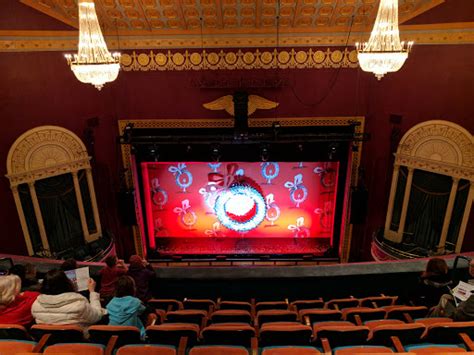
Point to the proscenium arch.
(44, 152)
(440, 147)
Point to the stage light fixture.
(127, 134)
(332, 150)
(264, 153)
(215, 153)
(154, 153)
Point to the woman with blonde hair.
(15, 307)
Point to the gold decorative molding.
(438, 146)
(226, 103)
(358, 122)
(220, 60)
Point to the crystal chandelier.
(384, 53)
(93, 64)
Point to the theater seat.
(262, 306)
(311, 316)
(448, 333)
(165, 304)
(378, 301)
(194, 316)
(59, 333)
(276, 315)
(75, 349)
(307, 304)
(406, 333)
(245, 306)
(228, 334)
(341, 303)
(362, 314)
(375, 323)
(201, 304)
(272, 334)
(364, 349)
(231, 315)
(218, 350)
(146, 350)
(340, 335)
(101, 334)
(431, 321)
(13, 331)
(406, 313)
(434, 349)
(10, 347)
(290, 350)
(171, 333)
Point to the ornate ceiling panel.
(229, 16)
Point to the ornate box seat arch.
(44, 152)
(439, 147)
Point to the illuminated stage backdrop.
(240, 207)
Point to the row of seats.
(328, 336)
(356, 315)
(252, 306)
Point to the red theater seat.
(12, 331)
(341, 303)
(194, 316)
(228, 334)
(201, 304)
(245, 306)
(378, 301)
(434, 349)
(340, 335)
(310, 316)
(406, 333)
(375, 323)
(358, 315)
(101, 334)
(449, 333)
(360, 350)
(218, 350)
(276, 315)
(276, 334)
(307, 304)
(75, 349)
(231, 315)
(406, 313)
(431, 321)
(165, 304)
(171, 333)
(146, 350)
(262, 306)
(58, 333)
(10, 347)
(290, 350)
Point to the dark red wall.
(437, 82)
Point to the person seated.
(447, 307)
(15, 306)
(125, 308)
(109, 276)
(59, 302)
(433, 283)
(143, 275)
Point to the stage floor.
(241, 246)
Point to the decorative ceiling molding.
(30, 41)
(236, 60)
(230, 15)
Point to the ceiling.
(229, 16)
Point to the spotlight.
(215, 153)
(264, 152)
(332, 150)
(127, 134)
(276, 129)
(153, 153)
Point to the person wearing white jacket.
(60, 304)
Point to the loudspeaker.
(126, 207)
(359, 199)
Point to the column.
(447, 216)
(24, 225)
(80, 206)
(406, 200)
(465, 218)
(39, 217)
(391, 201)
(95, 210)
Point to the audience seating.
(340, 335)
(290, 350)
(406, 333)
(358, 315)
(406, 313)
(200, 304)
(245, 306)
(149, 349)
(194, 316)
(435, 320)
(231, 315)
(171, 333)
(102, 334)
(310, 316)
(341, 303)
(165, 304)
(362, 349)
(228, 334)
(58, 333)
(307, 304)
(8, 347)
(449, 333)
(12, 331)
(375, 323)
(218, 350)
(263, 306)
(378, 301)
(276, 315)
(75, 349)
(273, 334)
(434, 349)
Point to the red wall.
(437, 82)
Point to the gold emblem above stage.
(226, 103)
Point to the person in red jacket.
(109, 276)
(15, 307)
